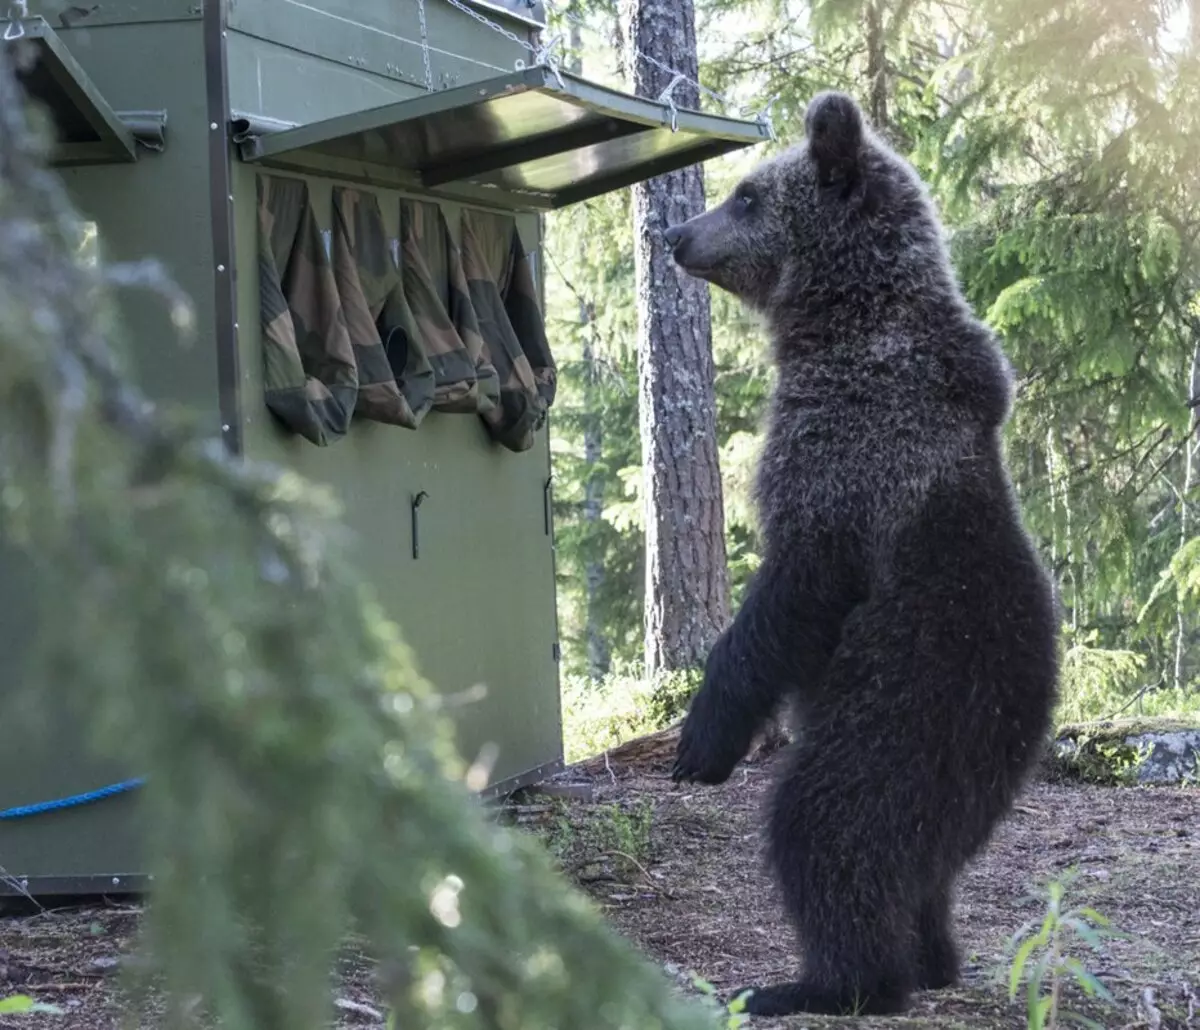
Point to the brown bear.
(901, 611)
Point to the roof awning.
(553, 139)
(88, 130)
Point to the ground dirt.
(678, 870)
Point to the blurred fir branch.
(200, 614)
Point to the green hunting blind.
(351, 192)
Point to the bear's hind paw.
(785, 999)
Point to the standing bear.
(901, 611)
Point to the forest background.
(1062, 145)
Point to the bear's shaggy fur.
(901, 610)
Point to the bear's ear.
(834, 127)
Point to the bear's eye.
(746, 199)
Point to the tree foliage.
(1061, 141)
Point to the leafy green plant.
(624, 705)
(1095, 680)
(735, 1011)
(1102, 758)
(670, 692)
(625, 830)
(22, 1004)
(614, 832)
(1043, 958)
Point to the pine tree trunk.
(599, 654)
(876, 66)
(1190, 459)
(687, 581)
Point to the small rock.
(1159, 751)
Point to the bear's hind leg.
(937, 953)
(845, 892)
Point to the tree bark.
(1191, 456)
(876, 66)
(599, 654)
(687, 581)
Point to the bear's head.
(836, 217)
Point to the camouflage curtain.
(311, 376)
(504, 300)
(389, 337)
(391, 328)
(436, 288)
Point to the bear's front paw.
(706, 754)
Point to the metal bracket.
(546, 505)
(544, 53)
(666, 97)
(543, 58)
(244, 126)
(416, 529)
(764, 118)
(17, 12)
(149, 128)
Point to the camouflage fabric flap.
(488, 264)
(521, 304)
(466, 381)
(310, 375)
(466, 322)
(396, 379)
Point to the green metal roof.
(554, 139)
(89, 131)
(533, 12)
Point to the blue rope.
(21, 811)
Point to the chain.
(724, 101)
(18, 10)
(542, 55)
(484, 20)
(763, 118)
(425, 46)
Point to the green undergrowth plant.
(624, 830)
(618, 833)
(1044, 960)
(599, 715)
(1099, 683)
(1093, 758)
(22, 1004)
(734, 1012)
(671, 692)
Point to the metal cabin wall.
(141, 56)
(306, 61)
(478, 605)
